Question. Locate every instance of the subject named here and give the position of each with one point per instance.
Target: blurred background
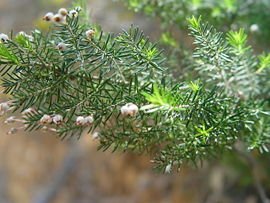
(40, 168)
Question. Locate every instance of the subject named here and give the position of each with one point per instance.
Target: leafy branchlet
(76, 78)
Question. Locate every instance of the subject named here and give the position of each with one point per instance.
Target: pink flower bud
(57, 119)
(46, 119)
(80, 121)
(10, 120)
(61, 46)
(28, 111)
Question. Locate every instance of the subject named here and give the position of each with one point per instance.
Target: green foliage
(226, 62)
(222, 14)
(224, 102)
(238, 40)
(264, 62)
(162, 100)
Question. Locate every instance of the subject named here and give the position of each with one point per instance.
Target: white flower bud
(168, 168)
(61, 46)
(4, 37)
(254, 28)
(78, 8)
(48, 17)
(59, 19)
(95, 135)
(57, 119)
(46, 119)
(129, 109)
(89, 119)
(4, 107)
(22, 33)
(10, 120)
(63, 11)
(90, 34)
(133, 109)
(52, 129)
(80, 121)
(72, 13)
(37, 31)
(124, 110)
(28, 111)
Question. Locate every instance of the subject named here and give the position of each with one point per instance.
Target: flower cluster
(83, 121)
(48, 119)
(61, 15)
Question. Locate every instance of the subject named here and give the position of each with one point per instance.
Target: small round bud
(36, 31)
(129, 109)
(28, 111)
(4, 107)
(78, 8)
(168, 168)
(254, 28)
(89, 119)
(48, 16)
(95, 135)
(133, 109)
(10, 120)
(59, 19)
(80, 121)
(63, 11)
(61, 46)
(22, 33)
(57, 119)
(72, 13)
(3, 37)
(46, 119)
(124, 110)
(90, 34)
